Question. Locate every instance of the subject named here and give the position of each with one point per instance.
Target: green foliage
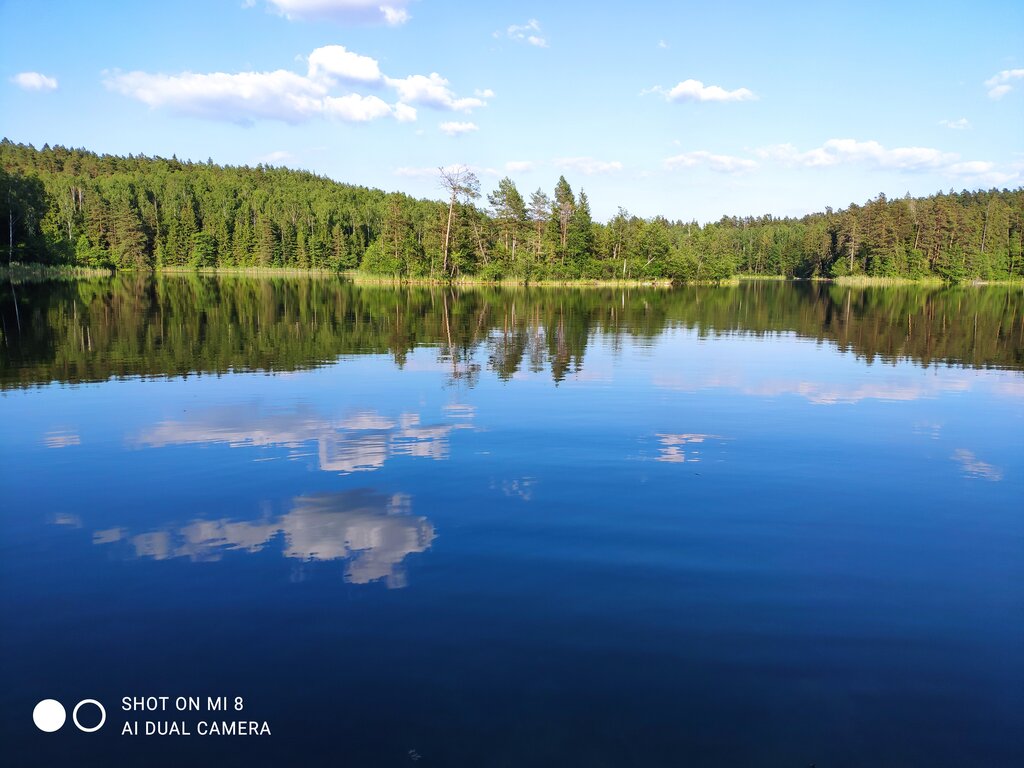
(70, 206)
(380, 261)
(23, 207)
(203, 250)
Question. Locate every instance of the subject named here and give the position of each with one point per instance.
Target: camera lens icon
(49, 715)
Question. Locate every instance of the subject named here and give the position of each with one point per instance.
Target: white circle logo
(49, 715)
(78, 706)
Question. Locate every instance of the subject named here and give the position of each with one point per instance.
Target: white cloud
(662, 44)
(343, 11)
(971, 168)
(354, 108)
(588, 165)
(243, 97)
(240, 97)
(957, 125)
(394, 16)
(528, 33)
(334, 62)
(404, 113)
(485, 93)
(277, 157)
(843, 151)
(982, 172)
(718, 163)
(432, 91)
(457, 129)
(519, 166)
(999, 85)
(695, 90)
(872, 154)
(34, 81)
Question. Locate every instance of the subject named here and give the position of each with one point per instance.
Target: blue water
(744, 547)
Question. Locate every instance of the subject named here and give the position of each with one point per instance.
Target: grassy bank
(25, 273)
(248, 271)
(363, 278)
(744, 276)
(37, 273)
(867, 280)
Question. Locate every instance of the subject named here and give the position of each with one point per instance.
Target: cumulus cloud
(588, 165)
(457, 129)
(392, 13)
(528, 33)
(404, 113)
(957, 125)
(718, 163)
(240, 97)
(872, 154)
(334, 62)
(34, 81)
(695, 90)
(354, 108)
(332, 70)
(519, 166)
(432, 91)
(1000, 84)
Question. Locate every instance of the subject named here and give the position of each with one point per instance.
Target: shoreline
(30, 273)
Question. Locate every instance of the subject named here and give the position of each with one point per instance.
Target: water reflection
(373, 532)
(362, 442)
(61, 439)
(519, 488)
(171, 326)
(678, 449)
(749, 380)
(972, 466)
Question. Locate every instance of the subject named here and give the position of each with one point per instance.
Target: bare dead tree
(461, 184)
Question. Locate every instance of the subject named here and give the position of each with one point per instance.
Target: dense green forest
(70, 206)
(173, 325)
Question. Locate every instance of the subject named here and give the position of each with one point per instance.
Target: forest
(73, 207)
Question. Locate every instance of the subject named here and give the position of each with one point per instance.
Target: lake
(773, 524)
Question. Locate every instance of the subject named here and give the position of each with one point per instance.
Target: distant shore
(29, 273)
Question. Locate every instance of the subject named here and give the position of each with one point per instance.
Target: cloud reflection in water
(362, 442)
(373, 532)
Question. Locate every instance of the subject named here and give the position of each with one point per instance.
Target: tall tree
(540, 208)
(509, 210)
(461, 184)
(561, 213)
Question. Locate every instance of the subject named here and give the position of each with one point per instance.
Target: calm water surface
(766, 525)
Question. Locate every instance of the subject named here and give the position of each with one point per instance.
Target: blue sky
(689, 110)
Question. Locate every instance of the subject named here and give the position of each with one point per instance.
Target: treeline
(70, 206)
(140, 324)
